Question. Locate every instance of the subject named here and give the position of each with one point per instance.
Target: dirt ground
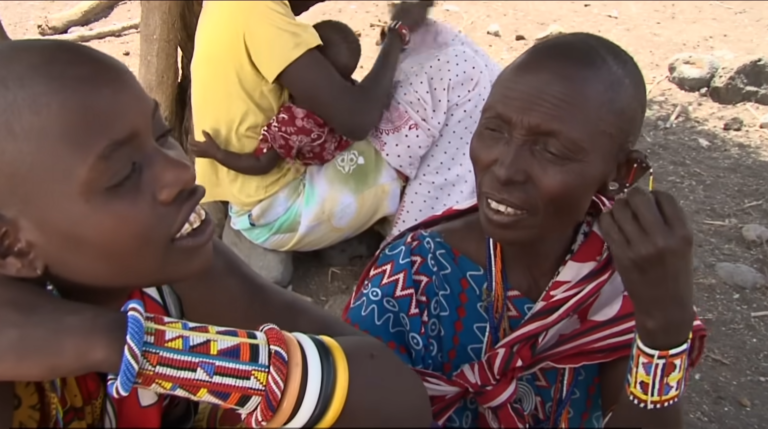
(719, 176)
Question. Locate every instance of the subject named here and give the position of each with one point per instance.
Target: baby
(295, 133)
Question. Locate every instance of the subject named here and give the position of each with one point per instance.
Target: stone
(692, 72)
(519, 37)
(494, 30)
(764, 122)
(359, 248)
(747, 82)
(734, 124)
(755, 233)
(218, 213)
(553, 30)
(277, 267)
(739, 275)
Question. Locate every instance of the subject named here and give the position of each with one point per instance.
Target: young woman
(99, 205)
(544, 303)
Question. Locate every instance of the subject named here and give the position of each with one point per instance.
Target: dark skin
(123, 188)
(536, 134)
(312, 80)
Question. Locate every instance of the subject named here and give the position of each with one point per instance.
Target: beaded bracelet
(656, 378)
(314, 371)
(327, 384)
(121, 385)
(341, 386)
(226, 367)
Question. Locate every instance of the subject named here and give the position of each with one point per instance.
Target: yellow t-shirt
(240, 49)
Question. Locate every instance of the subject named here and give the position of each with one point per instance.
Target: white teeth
(501, 208)
(195, 219)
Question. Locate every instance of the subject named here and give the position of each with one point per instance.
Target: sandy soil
(719, 176)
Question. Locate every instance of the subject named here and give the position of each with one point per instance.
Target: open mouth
(504, 209)
(195, 220)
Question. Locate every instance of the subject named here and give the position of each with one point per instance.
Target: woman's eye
(127, 177)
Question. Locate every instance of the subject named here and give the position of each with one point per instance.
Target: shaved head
(41, 82)
(93, 188)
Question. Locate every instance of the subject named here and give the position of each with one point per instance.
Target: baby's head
(93, 188)
(341, 46)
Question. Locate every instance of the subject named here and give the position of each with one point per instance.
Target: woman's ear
(17, 258)
(629, 170)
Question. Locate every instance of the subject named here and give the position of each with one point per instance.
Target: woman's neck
(105, 298)
(530, 267)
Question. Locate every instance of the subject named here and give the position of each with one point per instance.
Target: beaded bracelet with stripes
(232, 368)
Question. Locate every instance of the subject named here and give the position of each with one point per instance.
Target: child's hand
(207, 148)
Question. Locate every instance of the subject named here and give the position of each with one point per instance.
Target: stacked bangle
(340, 387)
(656, 378)
(272, 378)
(314, 371)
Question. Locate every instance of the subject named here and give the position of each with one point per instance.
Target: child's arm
(243, 163)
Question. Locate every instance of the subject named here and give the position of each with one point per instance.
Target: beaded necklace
(495, 295)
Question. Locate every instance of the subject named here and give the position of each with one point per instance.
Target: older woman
(560, 297)
(248, 56)
(441, 85)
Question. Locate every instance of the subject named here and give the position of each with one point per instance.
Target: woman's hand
(652, 248)
(207, 148)
(412, 14)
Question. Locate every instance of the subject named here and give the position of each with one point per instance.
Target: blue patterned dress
(425, 301)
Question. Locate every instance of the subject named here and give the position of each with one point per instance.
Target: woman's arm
(284, 51)
(351, 110)
(43, 337)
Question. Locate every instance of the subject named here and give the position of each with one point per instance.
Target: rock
(764, 122)
(336, 304)
(613, 14)
(553, 30)
(755, 233)
(218, 213)
(704, 92)
(494, 30)
(126, 53)
(703, 143)
(734, 124)
(451, 8)
(360, 248)
(519, 37)
(747, 82)
(692, 72)
(739, 275)
(276, 267)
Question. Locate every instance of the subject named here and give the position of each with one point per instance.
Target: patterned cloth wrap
(426, 301)
(85, 404)
(300, 135)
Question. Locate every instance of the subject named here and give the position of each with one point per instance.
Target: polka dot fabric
(440, 89)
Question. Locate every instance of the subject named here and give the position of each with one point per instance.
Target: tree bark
(99, 33)
(3, 35)
(84, 13)
(159, 45)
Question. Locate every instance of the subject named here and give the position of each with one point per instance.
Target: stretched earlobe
(17, 258)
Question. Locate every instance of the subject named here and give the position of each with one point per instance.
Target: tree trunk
(83, 13)
(167, 30)
(3, 35)
(159, 46)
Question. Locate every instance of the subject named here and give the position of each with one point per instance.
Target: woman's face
(112, 191)
(540, 152)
